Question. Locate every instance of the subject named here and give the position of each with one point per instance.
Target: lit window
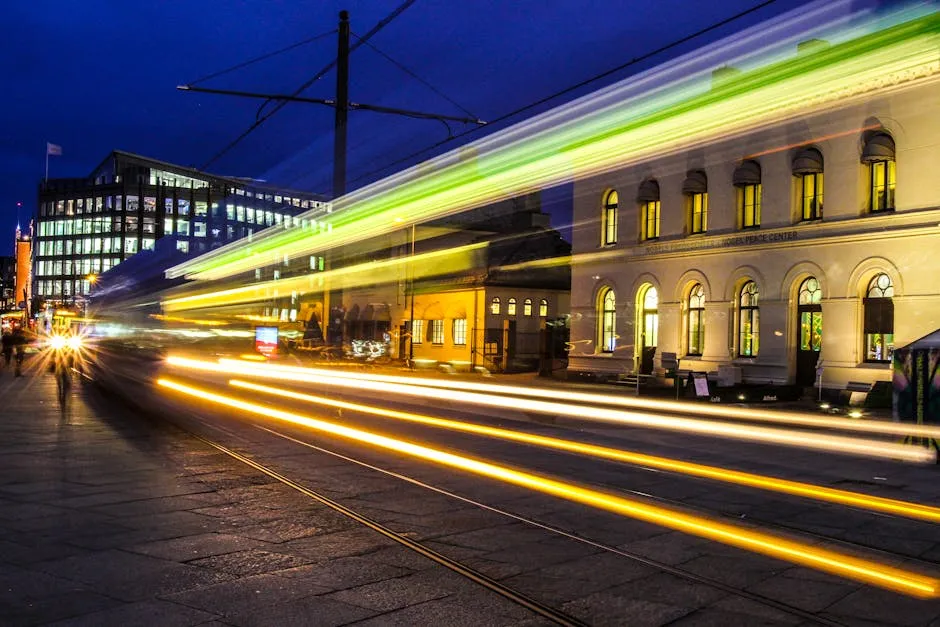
(695, 319)
(417, 331)
(511, 307)
(812, 196)
(698, 208)
(543, 308)
(607, 318)
(748, 320)
(460, 332)
(879, 319)
(695, 189)
(527, 307)
(494, 306)
(146, 243)
(437, 331)
(130, 245)
(882, 185)
(609, 218)
(878, 153)
(749, 199)
(199, 229)
(648, 198)
(182, 245)
(168, 226)
(650, 220)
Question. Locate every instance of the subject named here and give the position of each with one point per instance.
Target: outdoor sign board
(266, 340)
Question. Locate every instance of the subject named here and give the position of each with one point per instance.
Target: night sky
(98, 75)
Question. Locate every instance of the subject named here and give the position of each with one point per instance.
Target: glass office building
(86, 226)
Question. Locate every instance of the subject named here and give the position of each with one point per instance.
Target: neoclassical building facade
(804, 247)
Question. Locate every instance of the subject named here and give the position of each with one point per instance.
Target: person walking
(19, 343)
(7, 348)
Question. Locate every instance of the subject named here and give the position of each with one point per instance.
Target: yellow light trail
(699, 409)
(769, 435)
(827, 560)
(806, 490)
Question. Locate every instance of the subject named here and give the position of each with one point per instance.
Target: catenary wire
(410, 73)
(329, 66)
(587, 81)
(263, 57)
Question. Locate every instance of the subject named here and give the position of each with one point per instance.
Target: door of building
(649, 329)
(809, 336)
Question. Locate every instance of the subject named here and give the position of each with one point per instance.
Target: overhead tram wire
(597, 77)
(329, 66)
(263, 57)
(413, 75)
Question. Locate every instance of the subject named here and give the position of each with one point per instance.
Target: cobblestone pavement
(110, 517)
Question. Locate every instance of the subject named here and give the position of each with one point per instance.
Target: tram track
(480, 578)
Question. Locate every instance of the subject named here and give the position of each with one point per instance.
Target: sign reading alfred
(751, 239)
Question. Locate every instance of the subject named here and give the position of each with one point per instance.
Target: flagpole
(46, 180)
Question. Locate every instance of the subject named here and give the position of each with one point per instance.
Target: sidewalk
(107, 519)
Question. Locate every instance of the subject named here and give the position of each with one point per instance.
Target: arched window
(607, 327)
(748, 320)
(511, 307)
(695, 319)
(746, 180)
(609, 218)
(543, 308)
(878, 154)
(808, 167)
(527, 307)
(648, 198)
(695, 189)
(879, 319)
(494, 306)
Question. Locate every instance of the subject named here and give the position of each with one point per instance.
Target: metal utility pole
(342, 106)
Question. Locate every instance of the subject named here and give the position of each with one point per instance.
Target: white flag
(53, 149)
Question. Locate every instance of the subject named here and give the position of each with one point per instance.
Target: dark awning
(748, 173)
(648, 192)
(696, 182)
(808, 161)
(879, 315)
(879, 147)
(381, 313)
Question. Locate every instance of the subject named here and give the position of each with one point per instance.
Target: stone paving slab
(108, 519)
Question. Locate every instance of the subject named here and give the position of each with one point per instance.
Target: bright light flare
(699, 409)
(768, 435)
(833, 562)
(806, 490)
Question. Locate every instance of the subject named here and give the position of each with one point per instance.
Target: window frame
(543, 308)
(698, 212)
(695, 308)
(811, 206)
(511, 306)
(751, 210)
(495, 306)
(875, 295)
(607, 321)
(527, 307)
(459, 331)
(436, 332)
(748, 341)
(648, 207)
(417, 331)
(609, 217)
(888, 185)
